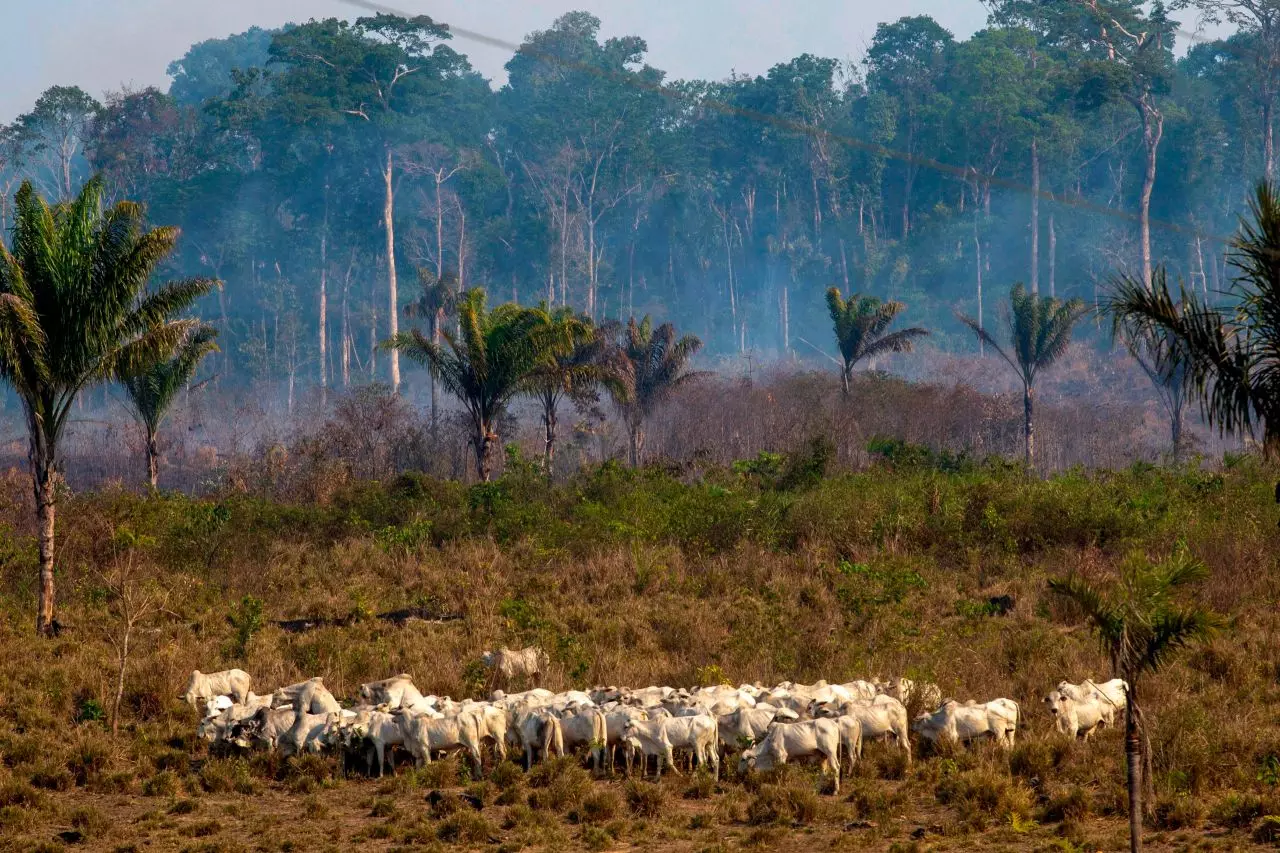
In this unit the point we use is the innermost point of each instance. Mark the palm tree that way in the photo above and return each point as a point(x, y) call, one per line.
point(152, 393)
point(1039, 332)
point(1233, 355)
point(656, 364)
point(75, 311)
point(574, 368)
point(439, 297)
point(1141, 625)
point(485, 365)
point(862, 324)
point(1157, 352)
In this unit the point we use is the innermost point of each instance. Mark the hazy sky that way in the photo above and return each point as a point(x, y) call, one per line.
point(100, 44)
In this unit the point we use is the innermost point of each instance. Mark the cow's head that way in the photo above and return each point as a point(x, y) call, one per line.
point(1056, 703)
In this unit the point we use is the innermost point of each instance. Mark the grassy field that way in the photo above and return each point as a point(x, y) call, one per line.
point(771, 570)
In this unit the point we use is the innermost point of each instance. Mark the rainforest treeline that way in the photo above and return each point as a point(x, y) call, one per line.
point(935, 171)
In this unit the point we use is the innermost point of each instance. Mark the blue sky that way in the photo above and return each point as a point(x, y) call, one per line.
point(101, 45)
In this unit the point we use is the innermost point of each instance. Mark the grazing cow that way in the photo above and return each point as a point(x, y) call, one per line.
point(586, 728)
point(398, 691)
point(491, 722)
point(426, 735)
point(539, 734)
point(307, 734)
point(661, 737)
point(615, 723)
point(310, 696)
point(883, 718)
point(906, 691)
point(1079, 714)
point(958, 723)
point(266, 727)
point(1115, 691)
point(783, 743)
point(373, 731)
point(851, 740)
point(203, 686)
point(506, 664)
point(745, 726)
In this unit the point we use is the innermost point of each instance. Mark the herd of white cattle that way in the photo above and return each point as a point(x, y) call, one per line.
point(764, 727)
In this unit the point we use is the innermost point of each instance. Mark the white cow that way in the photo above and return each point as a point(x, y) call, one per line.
point(307, 734)
point(508, 664)
point(492, 722)
point(375, 730)
point(539, 734)
point(310, 696)
point(882, 718)
point(398, 691)
point(905, 691)
point(784, 743)
point(586, 728)
point(958, 723)
point(266, 727)
point(424, 735)
point(746, 726)
point(203, 686)
point(1080, 709)
point(662, 737)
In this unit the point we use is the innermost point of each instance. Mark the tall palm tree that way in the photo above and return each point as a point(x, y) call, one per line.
point(1233, 355)
point(1141, 624)
point(1158, 352)
point(579, 363)
point(862, 329)
point(437, 299)
point(485, 365)
point(1039, 333)
point(75, 311)
point(656, 364)
point(152, 392)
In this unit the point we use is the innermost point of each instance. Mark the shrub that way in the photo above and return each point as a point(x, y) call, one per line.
point(600, 806)
point(89, 822)
point(1181, 811)
point(466, 826)
point(1067, 804)
point(305, 773)
point(222, 776)
point(1237, 811)
point(594, 838)
point(162, 784)
point(645, 799)
point(560, 786)
point(701, 787)
point(506, 775)
point(791, 803)
point(201, 829)
point(1267, 830)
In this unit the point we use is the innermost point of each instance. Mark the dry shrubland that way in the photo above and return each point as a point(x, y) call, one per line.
point(826, 556)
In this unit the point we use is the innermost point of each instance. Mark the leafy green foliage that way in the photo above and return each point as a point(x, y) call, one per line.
point(862, 329)
point(245, 620)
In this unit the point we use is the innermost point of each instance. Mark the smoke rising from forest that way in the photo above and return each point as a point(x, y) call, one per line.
point(297, 161)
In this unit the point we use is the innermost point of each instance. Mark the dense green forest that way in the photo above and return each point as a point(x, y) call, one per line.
point(935, 171)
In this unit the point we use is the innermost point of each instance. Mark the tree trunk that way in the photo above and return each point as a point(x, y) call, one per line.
point(124, 663)
point(1152, 131)
point(844, 380)
point(1035, 217)
point(393, 298)
point(635, 432)
point(322, 324)
point(436, 322)
point(486, 438)
point(1029, 427)
point(1269, 138)
point(977, 248)
point(1053, 257)
point(44, 477)
point(153, 459)
point(549, 420)
point(1133, 763)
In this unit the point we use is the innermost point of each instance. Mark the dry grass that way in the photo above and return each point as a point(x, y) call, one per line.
point(639, 579)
